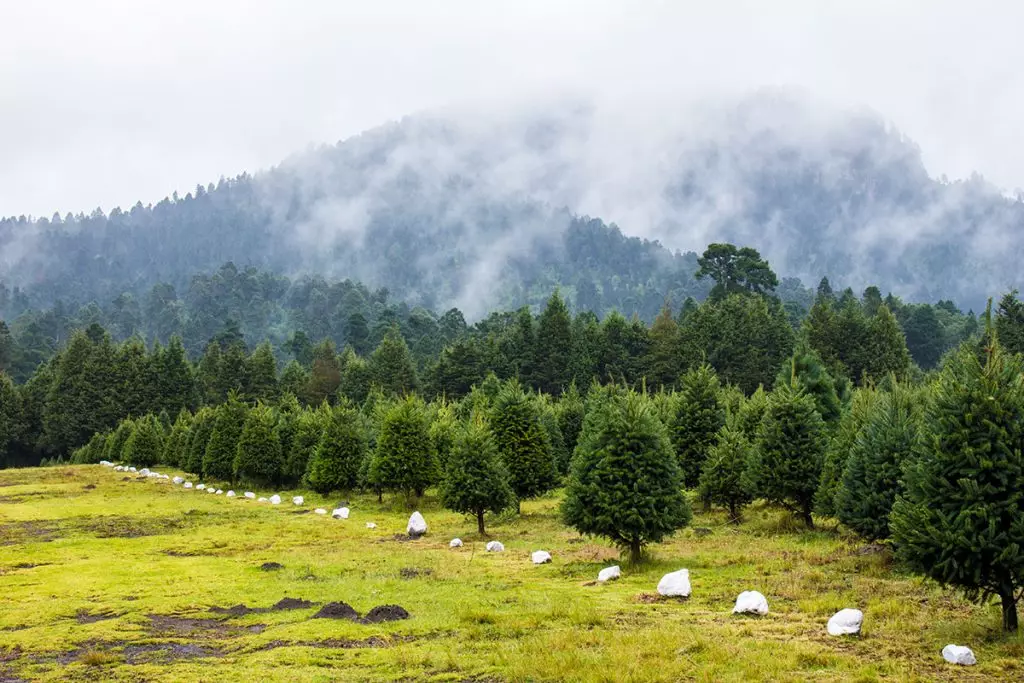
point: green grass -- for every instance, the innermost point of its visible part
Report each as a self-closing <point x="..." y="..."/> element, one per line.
<point x="116" y="582"/>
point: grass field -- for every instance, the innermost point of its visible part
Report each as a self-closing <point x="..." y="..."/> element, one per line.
<point x="106" y="577"/>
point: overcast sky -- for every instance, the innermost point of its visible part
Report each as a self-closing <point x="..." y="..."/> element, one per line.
<point x="109" y="101"/>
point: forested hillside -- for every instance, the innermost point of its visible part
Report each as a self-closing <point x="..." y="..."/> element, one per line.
<point x="480" y="213"/>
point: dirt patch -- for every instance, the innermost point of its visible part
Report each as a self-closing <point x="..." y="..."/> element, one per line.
<point x="647" y="598"/>
<point x="185" y="553"/>
<point x="341" y="643"/>
<point x="9" y="654"/>
<point x="301" y="512"/>
<point x="89" y="487"/>
<point x="383" y="613"/>
<point x="239" y="610"/>
<point x="871" y="549"/>
<point x="337" y="610"/>
<point x="84" y="616"/>
<point x="126" y="478"/>
<point x="271" y="566"/>
<point x="31" y="531"/>
<point x="414" y="572"/>
<point x="292" y="603"/>
<point x="198" y="627"/>
<point x="400" y="538"/>
<point x="164" y="652"/>
<point x="117" y="526"/>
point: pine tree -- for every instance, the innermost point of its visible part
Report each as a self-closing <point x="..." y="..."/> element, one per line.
<point x="887" y="347"/>
<point x="80" y="401"/>
<point x="626" y="484"/>
<point x="114" y="451"/>
<point x="871" y="478"/>
<point x="356" y="378"/>
<point x="790" y="445"/>
<point x="145" y="445"/>
<point x="294" y="379"/>
<point x="699" y="416"/>
<point x="838" y="450"/>
<point x="404" y="459"/>
<point x="442" y="433"/>
<point x="751" y="412"/>
<point x="199" y="438"/>
<point x="664" y="362"/>
<point x="324" y="375"/>
<point x="261" y="374"/>
<point x="808" y="370"/>
<point x="722" y="481"/>
<point x="258" y="454"/>
<point x="549" y="420"/>
<point x="552" y="348"/>
<point x="391" y="364"/>
<point x="219" y="460"/>
<point x="476" y="481"/>
<point x="338" y="457"/>
<point x="89" y="454"/>
<point x="569" y="411"/>
<point x="173" y="444"/>
<point x="522" y="442"/>
<point x="11" y="416"/>
<point x="309" y="429"/>
<point x="208" y="375"/>
<point x="960" y="519"/>
<point x="176" y="387"/>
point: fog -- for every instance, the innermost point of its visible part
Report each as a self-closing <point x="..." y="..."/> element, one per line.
<point x="109" y="102"/>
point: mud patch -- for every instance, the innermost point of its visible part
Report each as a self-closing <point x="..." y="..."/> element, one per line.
<point x="239" y="610"/>
<point x="169" y="625"/>
<point x="166" y="652"/>
<point x="337" y="610"/>
<point x="271" y="566"/>
<point x="383" y="613"/>
<point x="89" y="487"/>
<point x="292" y="603"/>
<point x="84" y="616"/>
<point x="31" y="531"/>
<point x="117" y="526"/>
<point x="414" y="572"/>
<point x="186" y="553"/>
<point x="341" y="643"/>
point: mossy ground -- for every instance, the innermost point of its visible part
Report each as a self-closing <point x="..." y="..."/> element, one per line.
<point x="117" y="582"/>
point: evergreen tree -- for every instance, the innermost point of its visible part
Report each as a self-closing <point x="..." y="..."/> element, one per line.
<point x="219" y="460"/>
<point x="11" y="416"/>
<point x="871" y="478"/>
<point x="309" y="429"/>
<point x="208" y="375"/>
<point x="91" y="453"/>
<point x="699" y="415"/>
<point x="552" y="348"/>
<point x="586" y="348"/>
<point x="356" y="378"/>
<point x="751" y="412"/>
<point x="258" y="454"/>
<point x="789" y="451"/>
<point x="145" y="445"/>
<point x="442" y="433"/>
<point x="324" y="376"/>
<point x="735" y="271"/>
<point x="887" y="348"/>
<point x="338" y="457"/>
<point x="261" y="374"/>
<point x="805" y="367"/>
<point x="569" y="412"/>
<point x="625" y="484"/>
<point x="664" y="363"/>
<point x="522" y="442"/>
<point x="476" y="481"/>
<point x="173" y="445"/>
<point x="1009" y="322"/>
<point x="80" y="401"/>
<point x="176" y="383"/>
<point x="294" y="379"/>
<point x="199" y="438"/>
<point x="114" y="451"/>
<point x="838" y="450"/>
<point x="404" y="459"/>
<point x="722" y="481"/>
<point x="960" y="519"/>
<point x="391" y="365"/>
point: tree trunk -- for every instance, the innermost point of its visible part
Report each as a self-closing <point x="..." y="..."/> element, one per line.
<point x="480" y="522"/>
<point x="806" y="514"/>
<point x="734" y="513"/>
<point x="1009" y="612"/>
<point x="635" y="551"/>
<point x="380" y="495"/>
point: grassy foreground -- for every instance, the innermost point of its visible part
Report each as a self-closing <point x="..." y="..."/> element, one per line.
<point x="106" y="577"/>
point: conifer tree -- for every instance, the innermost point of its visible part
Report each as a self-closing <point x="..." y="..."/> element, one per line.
<point x="294" y="379"/>
<point x="145" y="445"/>
<point x="626" y="484"/>
<point x="722" y="480"/>
<point x="356" y="378"/>
<point x="338" y="457"/>
<point x="114" y="451"/>
<point x="552" y="348"/>
<point x="960" y="519"/>
<point x="391" y="364"/>
<point x="208" y="375"/>
<point x="887" y="347"/>
<point x="80" y="401"/>
<point x="751" y="412"/>
<point x="569" y="411"/>
<point x="523" y="443"/>
<point x="871" y="478"/>
<point x="808" y="370"/>
<point x="258" y="454"/>
<point x="199" y="438"/>
<point x="404" y="459"/>
<point x="790" y="446"/>
<point x="219" y="460"/>
<point x="173" y="444"/>
<point x="10" y="415"/>
<point x="89" y="454"/>
<point x="699" y="416"/>
<point x="442" y="433"/>
<point x="664" y="362"/>
<point x="309" y="429"/>
<point x="261" y="374"/>
<point x="324" y="375"/>
<point x="838" y="450"/>
<point x="476" y="481"/>
<point x="176" y="383"/>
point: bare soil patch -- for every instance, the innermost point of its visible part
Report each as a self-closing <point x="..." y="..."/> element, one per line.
<point x="30" y="531"/>
<point x="383" y="613"/>
<point x="414" y="572"/>
<point x="166" y="652"/>
<point x="337" y="610"/>
<point x="271" y="566"/>
<point x="117" y="526"/>
<point x="341" y="643"/>
<point x="292" y="603"/>
<point x="84" y="616"/>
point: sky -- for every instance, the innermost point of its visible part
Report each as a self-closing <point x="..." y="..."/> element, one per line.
<point x="112" y="101"/>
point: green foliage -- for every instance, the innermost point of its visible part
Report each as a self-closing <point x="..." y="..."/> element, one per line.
<point x="404" y="459"/>
<point x="91" y="453"/>
<point x="261" y="374"/>
<point x="1009" y="322"/>
<point x="219" y="460"/>
<point x="476" y="481"/>
<point x="699" y="415"/>
<point x="552" y="348"/>
<point x="750" y="413"/>
<point x="338" y="457"/>
<point x="805" y="367"/>
<point x="294" y="379"/>
<point x="626" y="484"/>
<point x="735" y="271"/>
<point x="871" y="479"/>
<point x="523" y="443"/>
<point x="391" y="365"/>
<point x="569" y="411"/>
<point x="960" y="519"/>
<point x="258" y="456"/>
<point x="789" y="451"/>
<point x="174" y="445"/>
<point x="722" y="480"/>
<point x="145" y="445"/>
<point x="199" y="438"/>
<point x="114" y="451"/>
<point x="309" y="429"/>
<point x="11" y="416"/>
<point x="356" y="377"/>
<point x="839" y="448"/>
<point x="324" y="376"/>
<point x="664" y="361"/>
<point x="442" y="433"/>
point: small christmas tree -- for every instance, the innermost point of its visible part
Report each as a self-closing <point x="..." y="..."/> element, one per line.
<point x="522" y="442"/>
<point x="339" y="455"/>
<point x="219" y="460"/>
<point x="404" y="459"/>
<point x="476" y="481"/>
<point x="145" y="445"/>
<point x="258" y="455"/>
<point x="699" y="416"/>
<point x="722" y="481"/>
<point x="626" y="484"/>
